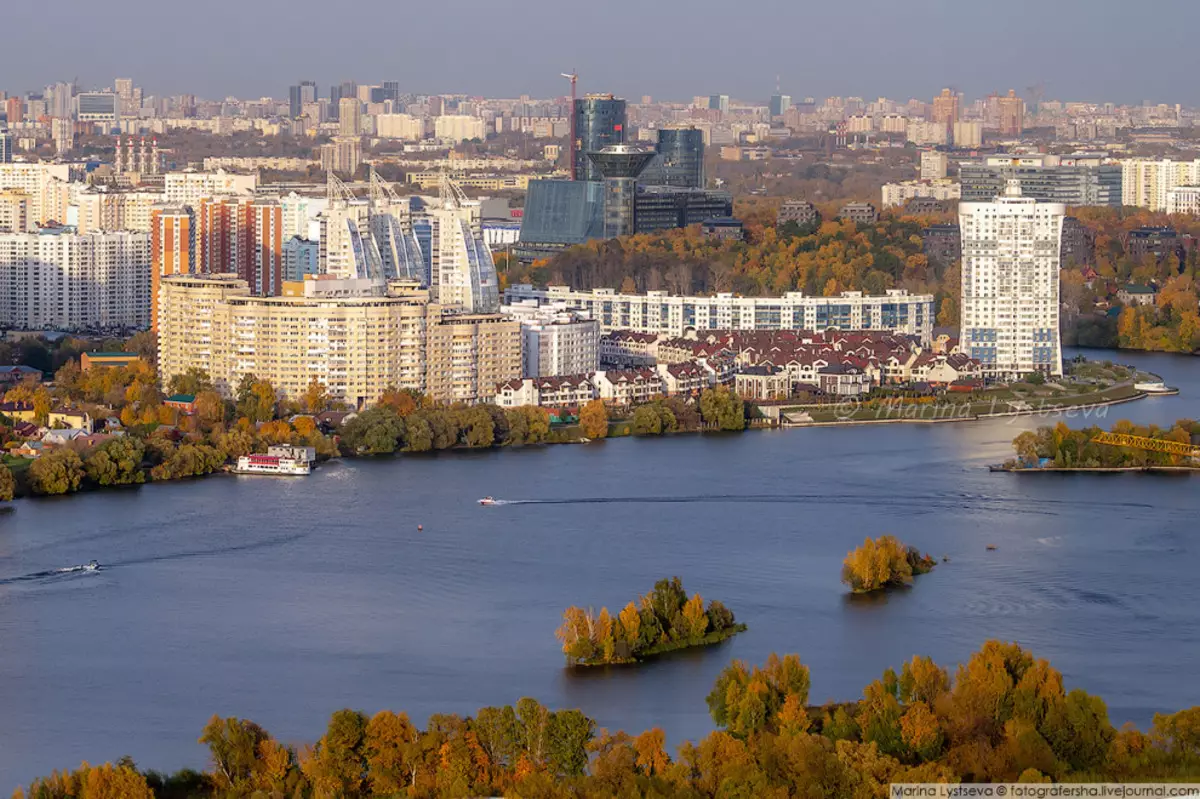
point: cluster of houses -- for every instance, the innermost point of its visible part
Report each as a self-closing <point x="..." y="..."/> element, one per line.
<point x="760" y="365"/>
<point x="63" y="427"/>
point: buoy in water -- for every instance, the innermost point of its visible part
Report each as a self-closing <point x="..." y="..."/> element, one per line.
<point x="420" y="528"/>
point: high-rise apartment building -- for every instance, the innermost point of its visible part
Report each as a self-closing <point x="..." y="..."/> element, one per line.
<point x="945" y="109"/>
<point x="342" y="155"/>
<point x="14" y="110"/>
<point x="1011" y="110"/>
<point x="357" y="337"/>
<point x="172" y="248"/>
<point x="555" y="341"/>
<point x="14" y="211"/>
<point x="780" y="103"/>
<point x="46" y="184"/>
<point x="968" y="134"/>
<point x="1147" y="183"/>
<point x="462" y="272"/>
<point x="599" y="122"/>
<point x="719" y="102"/>
<point x="6" y="146"/>
<point x="55" y="279"/>
<point x="1010" y="286"/>
<point x="469" y="355"/>
<point x="349" y="117"/>
<point x="265" y="265"/>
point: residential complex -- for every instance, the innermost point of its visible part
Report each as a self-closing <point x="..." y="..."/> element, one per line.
<point x="1010" y="284"/>
<point x="658" y="312"/>
<point x="56" y="279"/>
<point x="555" y="340"/>
<point x="356" y="336"/>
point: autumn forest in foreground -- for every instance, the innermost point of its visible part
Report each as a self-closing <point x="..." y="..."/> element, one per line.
<point x="1004" y="715"/>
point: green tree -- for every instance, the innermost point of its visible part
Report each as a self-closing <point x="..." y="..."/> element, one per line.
<point x="256" y="399"/>
<point x="375" y="431"/>
<point x="193" y="381"/>
<point x="116" y="462"/>
<point x="7" y="484"/>
<point x="57" y="472"/>
<point x="721" y="407"/>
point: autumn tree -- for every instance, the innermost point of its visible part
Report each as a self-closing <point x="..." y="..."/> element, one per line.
<point x="593" y="419"/>
<point x="316" y="397"/>
<point x="337" y="765"/>
<point x="193" y="381"/>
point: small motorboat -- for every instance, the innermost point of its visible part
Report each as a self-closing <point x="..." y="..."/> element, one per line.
<point x="91" y="566"/>
<point x="991" y="547"/>
<point x="487" y="501"/>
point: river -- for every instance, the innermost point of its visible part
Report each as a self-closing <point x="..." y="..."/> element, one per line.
<point x="284" y="600"/>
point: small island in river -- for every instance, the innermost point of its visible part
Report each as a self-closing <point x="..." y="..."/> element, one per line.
<point x="882" y="563"/>
<point x="662" y="621"/>
<point x="1127" y="447"/>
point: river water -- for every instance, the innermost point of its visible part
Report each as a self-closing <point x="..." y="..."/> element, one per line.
<point x="283" y="600"/>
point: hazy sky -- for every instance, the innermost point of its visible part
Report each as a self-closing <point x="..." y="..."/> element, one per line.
<point x="1081" y="49"/>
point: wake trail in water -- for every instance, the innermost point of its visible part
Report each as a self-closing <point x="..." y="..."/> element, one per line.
<point x="266" y="543"/>
<point x="50" y="574"/>
<point x="950" y="499"/>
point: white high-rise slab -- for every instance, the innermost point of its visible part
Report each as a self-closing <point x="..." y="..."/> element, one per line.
<point x="1010" y="263"/>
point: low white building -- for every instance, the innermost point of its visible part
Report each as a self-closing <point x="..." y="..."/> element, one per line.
<point x="659" y="313"/>
<point x="899" y="193"/>
<point x="1184" y="200"/>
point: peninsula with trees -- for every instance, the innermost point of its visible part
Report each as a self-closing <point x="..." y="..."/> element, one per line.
<point x="664" y="620"/>
<point x="1125" y="448"/>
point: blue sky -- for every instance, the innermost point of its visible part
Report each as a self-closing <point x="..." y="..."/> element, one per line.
<point x="1081" y="49"/>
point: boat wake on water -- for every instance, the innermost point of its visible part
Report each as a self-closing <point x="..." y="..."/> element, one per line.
<point x="49" y="574"/>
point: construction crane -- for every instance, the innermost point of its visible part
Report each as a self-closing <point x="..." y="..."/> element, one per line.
<point x="571" y="76"/>
<point x="1149" y="444"/>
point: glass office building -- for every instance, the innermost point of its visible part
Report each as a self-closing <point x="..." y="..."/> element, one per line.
<point x="680" y="159"/>
<point x="599" y="123"/>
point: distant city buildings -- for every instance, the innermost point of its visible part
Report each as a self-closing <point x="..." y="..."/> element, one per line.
<point x="1010" y="284"/>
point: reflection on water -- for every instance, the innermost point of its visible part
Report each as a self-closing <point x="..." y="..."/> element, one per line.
<point x="283" y="600"/>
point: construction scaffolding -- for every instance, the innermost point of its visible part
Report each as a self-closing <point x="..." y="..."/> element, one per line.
<point x="1149" y="444"/>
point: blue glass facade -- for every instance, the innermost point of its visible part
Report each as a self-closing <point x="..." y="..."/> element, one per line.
<point x="599" y="122"/>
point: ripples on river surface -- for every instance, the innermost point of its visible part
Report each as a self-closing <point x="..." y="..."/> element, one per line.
<point x="284" y="600"/>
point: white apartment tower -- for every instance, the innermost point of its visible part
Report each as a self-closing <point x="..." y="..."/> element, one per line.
<point x="1010" y="263"/>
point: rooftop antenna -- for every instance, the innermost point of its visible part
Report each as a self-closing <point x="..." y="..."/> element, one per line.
<point x="571" y="76"/>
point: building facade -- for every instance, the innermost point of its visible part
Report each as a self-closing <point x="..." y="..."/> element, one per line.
<point x="1070" y="181"/>
<point x="1148" y="183"/>
<point x="1010" y="284"/>
<point x="356" y="340"/>
<point x="469" y="355"/>
<point x="657" y="312"/>
<point x="56" y="279"/>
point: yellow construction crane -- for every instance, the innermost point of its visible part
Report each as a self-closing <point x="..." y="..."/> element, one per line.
<point x="1150" y="444"/>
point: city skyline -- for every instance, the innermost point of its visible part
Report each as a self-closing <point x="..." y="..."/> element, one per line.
<point x="909" y="51"/>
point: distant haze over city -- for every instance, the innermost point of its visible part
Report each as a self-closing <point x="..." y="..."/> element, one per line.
<point x="1087" y="50"/>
